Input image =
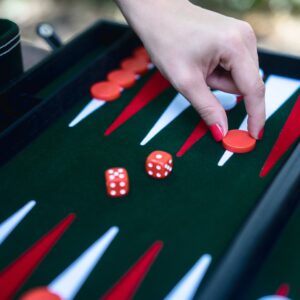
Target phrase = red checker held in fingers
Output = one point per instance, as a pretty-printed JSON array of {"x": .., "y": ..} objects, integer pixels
[
  {"x": 238, "y": 141},
  {"x": 117, "y": 182},
  {"x": 159, "y": 164}
]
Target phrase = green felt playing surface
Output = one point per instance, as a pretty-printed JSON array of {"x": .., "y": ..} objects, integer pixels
[{"x": 197, "y": 210}]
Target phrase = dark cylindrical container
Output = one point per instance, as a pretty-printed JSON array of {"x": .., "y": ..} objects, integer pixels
[{"x": 11, "y": 65}]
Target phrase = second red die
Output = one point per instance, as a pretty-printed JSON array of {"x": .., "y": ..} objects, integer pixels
[{"x": 159, "y": 164}]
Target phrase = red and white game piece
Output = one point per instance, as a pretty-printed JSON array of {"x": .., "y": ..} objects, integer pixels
[
  {"x": 117, "y": 182},
  {"x": 159, "y": 164}
]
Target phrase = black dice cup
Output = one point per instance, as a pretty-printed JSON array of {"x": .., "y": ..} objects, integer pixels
[{"x": 11, "y": 65}]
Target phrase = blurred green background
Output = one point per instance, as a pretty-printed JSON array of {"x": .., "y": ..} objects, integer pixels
[{"x": 276, "y": 22}]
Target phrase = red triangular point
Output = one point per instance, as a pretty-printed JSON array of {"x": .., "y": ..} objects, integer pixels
[
  {"x": 283, "y": 290},
  {"x": 199, "y": 131},
  {"x": 15, "y": 275},
  {"x": 127, "y": 286},
  {"x": 288, "y": 135},
  {"x": 155, "y": 86}
]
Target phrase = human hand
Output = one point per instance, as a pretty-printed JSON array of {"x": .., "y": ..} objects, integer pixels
[{"x": 197, "y": 49}]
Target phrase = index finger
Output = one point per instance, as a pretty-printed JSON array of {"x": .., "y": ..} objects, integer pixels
[{"x": 245, "y": 74}]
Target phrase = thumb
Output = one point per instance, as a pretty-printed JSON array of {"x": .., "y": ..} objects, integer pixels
[{"x": 209, "y": 108}]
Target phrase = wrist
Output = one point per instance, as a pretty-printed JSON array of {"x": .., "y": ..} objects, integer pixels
[{"x": 140, "y": 14}]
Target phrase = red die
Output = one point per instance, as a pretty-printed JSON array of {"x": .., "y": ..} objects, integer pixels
[
  {"x": 159, "y": 164},
  {"x": 117, "y": 182}
]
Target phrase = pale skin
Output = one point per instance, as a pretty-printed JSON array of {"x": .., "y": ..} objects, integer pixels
[{"x": 196, "y": 50}]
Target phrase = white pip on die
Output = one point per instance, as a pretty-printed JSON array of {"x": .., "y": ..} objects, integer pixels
[{"x": 159, "y": 164}]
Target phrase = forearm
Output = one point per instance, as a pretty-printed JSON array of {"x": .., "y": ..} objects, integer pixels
[
  {"x": 138, "y": 9},
  {"x": 135, "y": 11},
  {"x": 197, "y": 49},
  {"x": 140, "y": 13}
]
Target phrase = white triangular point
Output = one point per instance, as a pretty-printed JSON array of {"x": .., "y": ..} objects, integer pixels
[
  {"x": 278, "y": 91},
  {"x": 274, "y": 298},
  {"x": 7, "y": 226},
  {"x": 92, "y": 106},
  {"x": 68, "y": 283},
  {"x": 188, "y": 285},
  {"x": 177, "y": 106}
]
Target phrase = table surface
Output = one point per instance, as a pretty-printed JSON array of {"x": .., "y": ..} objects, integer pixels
[{"x": 32, "y": 55}]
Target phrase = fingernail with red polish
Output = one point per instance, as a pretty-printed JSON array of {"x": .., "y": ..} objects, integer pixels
[
  {"x": 261, "y": 134},
  {"x": 217, "y": 132}
]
